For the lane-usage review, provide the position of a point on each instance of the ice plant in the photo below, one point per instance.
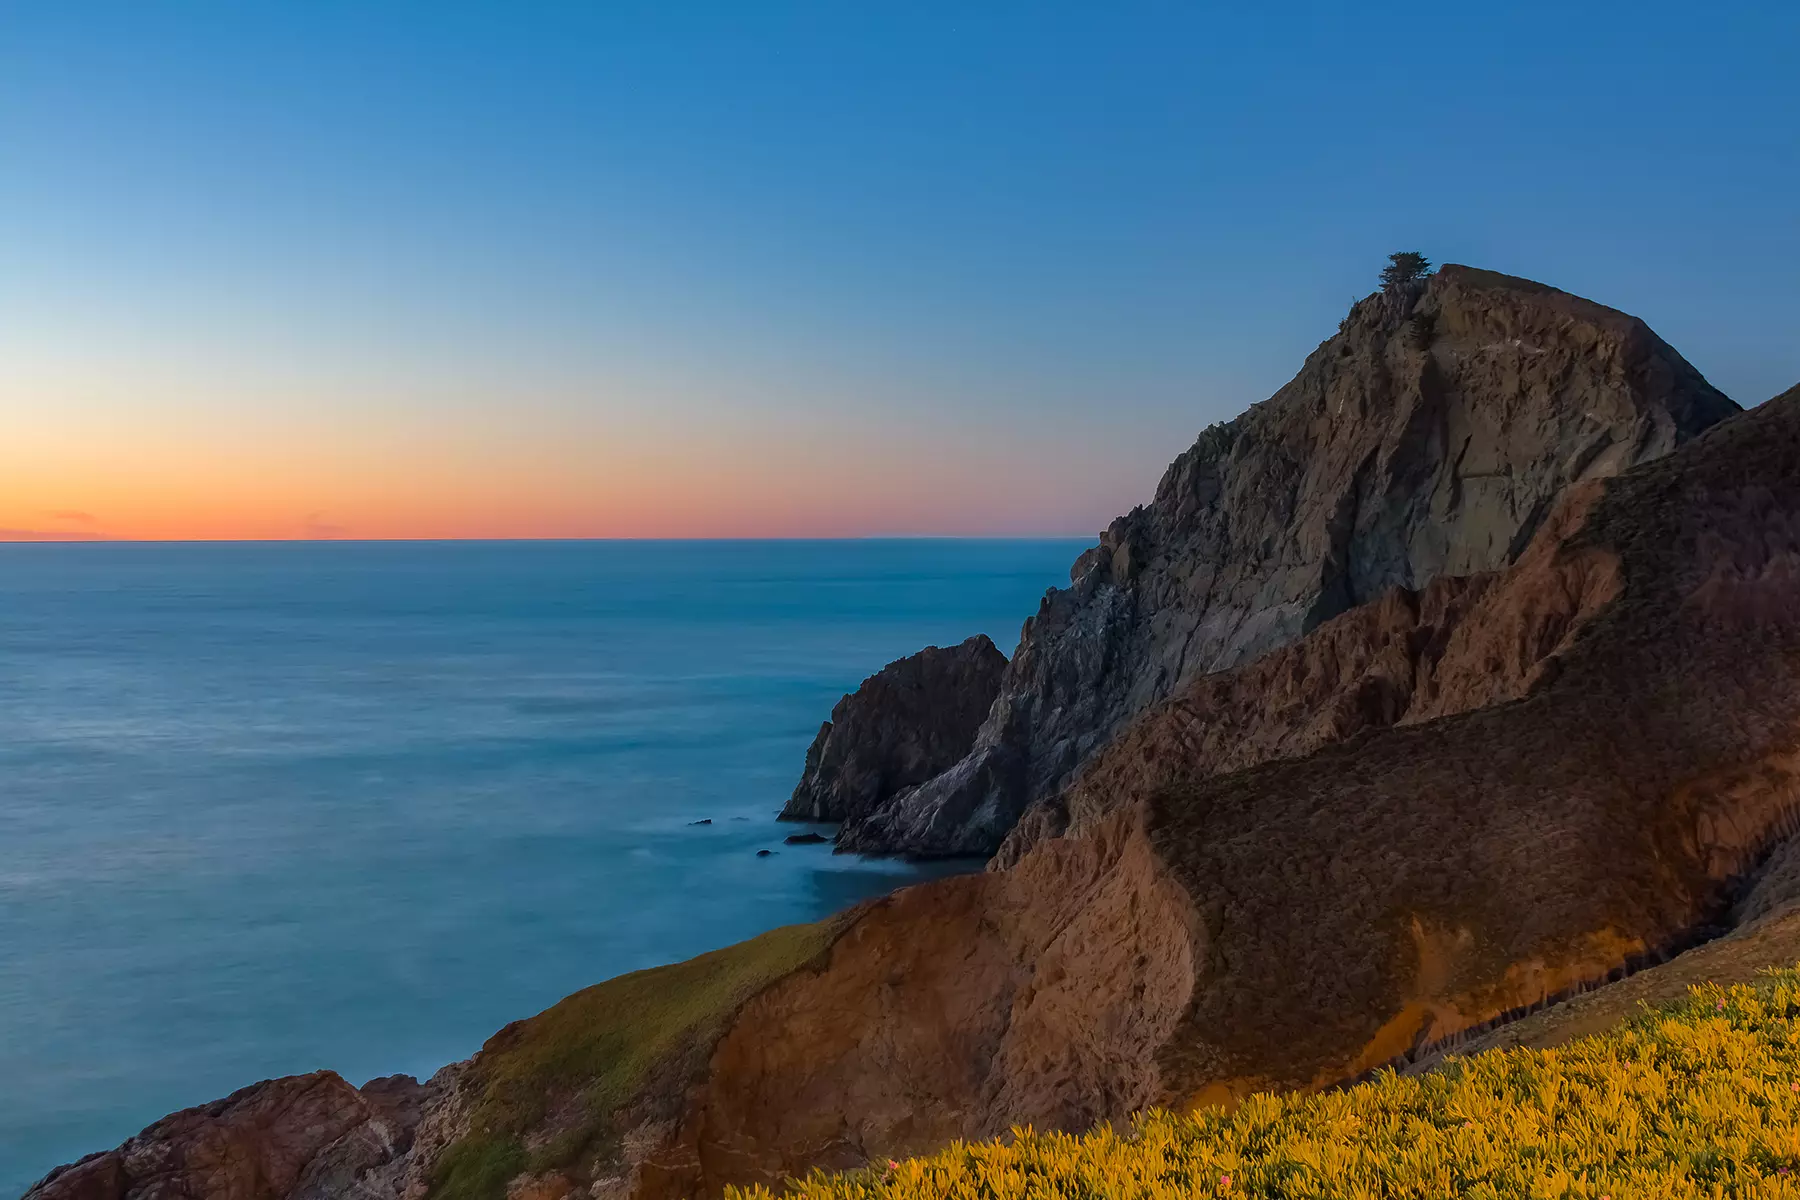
(1672, 1104)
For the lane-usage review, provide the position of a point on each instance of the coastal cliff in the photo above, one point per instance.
(1526, 719)
(1429, 437)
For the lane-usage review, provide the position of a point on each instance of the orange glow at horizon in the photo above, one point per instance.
(155, 444)
(167, 485)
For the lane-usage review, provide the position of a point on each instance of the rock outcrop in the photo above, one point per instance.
(303, 1137)
(1428, 438)
(906, 723)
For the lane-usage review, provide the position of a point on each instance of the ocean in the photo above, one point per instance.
(272, 807)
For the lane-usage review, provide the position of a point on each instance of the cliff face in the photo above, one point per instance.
(1462, 642)
(1428, 438)
(906, 723)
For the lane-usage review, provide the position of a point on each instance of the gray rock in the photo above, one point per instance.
(906, 723)
(1429, 437)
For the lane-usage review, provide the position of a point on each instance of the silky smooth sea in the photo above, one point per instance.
(266, 808)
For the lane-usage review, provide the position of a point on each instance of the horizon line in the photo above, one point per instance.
(315, 541)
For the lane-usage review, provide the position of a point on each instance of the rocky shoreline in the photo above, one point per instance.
(1461, 675)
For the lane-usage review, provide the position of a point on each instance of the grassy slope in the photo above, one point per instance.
(1698, 1098)
(549, 1090)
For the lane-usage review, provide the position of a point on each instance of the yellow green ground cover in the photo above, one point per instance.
(1697, 1099)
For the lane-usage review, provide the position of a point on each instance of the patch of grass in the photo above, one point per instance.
(548, 1087)
(1699, 1099)
(477, 1168)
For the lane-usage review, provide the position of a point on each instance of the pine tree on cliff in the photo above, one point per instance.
(1405, 268)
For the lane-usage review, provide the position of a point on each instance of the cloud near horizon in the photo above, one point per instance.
(316, 527)
(50, 535)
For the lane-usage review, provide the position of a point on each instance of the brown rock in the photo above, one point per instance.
(300, 1136)
(906, 723)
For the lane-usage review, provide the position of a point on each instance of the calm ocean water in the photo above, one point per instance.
(266, 808)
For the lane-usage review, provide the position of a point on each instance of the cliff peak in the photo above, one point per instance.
(1430, 436)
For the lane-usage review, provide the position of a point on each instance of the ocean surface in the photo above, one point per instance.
(266, 808)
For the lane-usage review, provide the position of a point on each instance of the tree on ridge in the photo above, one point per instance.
(1404, 267)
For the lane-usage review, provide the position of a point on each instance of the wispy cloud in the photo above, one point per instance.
(49, 535)
(316, 526)
(72, 514)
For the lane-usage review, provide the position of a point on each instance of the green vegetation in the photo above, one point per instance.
(548, 1087)
(1700, 1099)
(1404, 268)
(1419, 331)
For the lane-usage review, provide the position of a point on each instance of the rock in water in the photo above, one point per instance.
(1429, 437)
(906, 723)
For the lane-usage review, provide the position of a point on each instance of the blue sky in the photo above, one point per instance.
(535, 269)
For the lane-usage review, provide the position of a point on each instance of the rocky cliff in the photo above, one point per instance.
(1429, 437)
(907, 722)
(1459, 804)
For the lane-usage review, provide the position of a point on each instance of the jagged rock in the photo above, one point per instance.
(302, 1137)
(1428, 438)
(906, 723)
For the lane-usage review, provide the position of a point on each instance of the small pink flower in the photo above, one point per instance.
(1225, 1181)
(1720, 1006)
(893, 1164)
(1794, 1087)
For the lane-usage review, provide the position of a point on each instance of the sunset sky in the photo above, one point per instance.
(744, 269)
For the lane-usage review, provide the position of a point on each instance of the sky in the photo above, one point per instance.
(333, 269)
